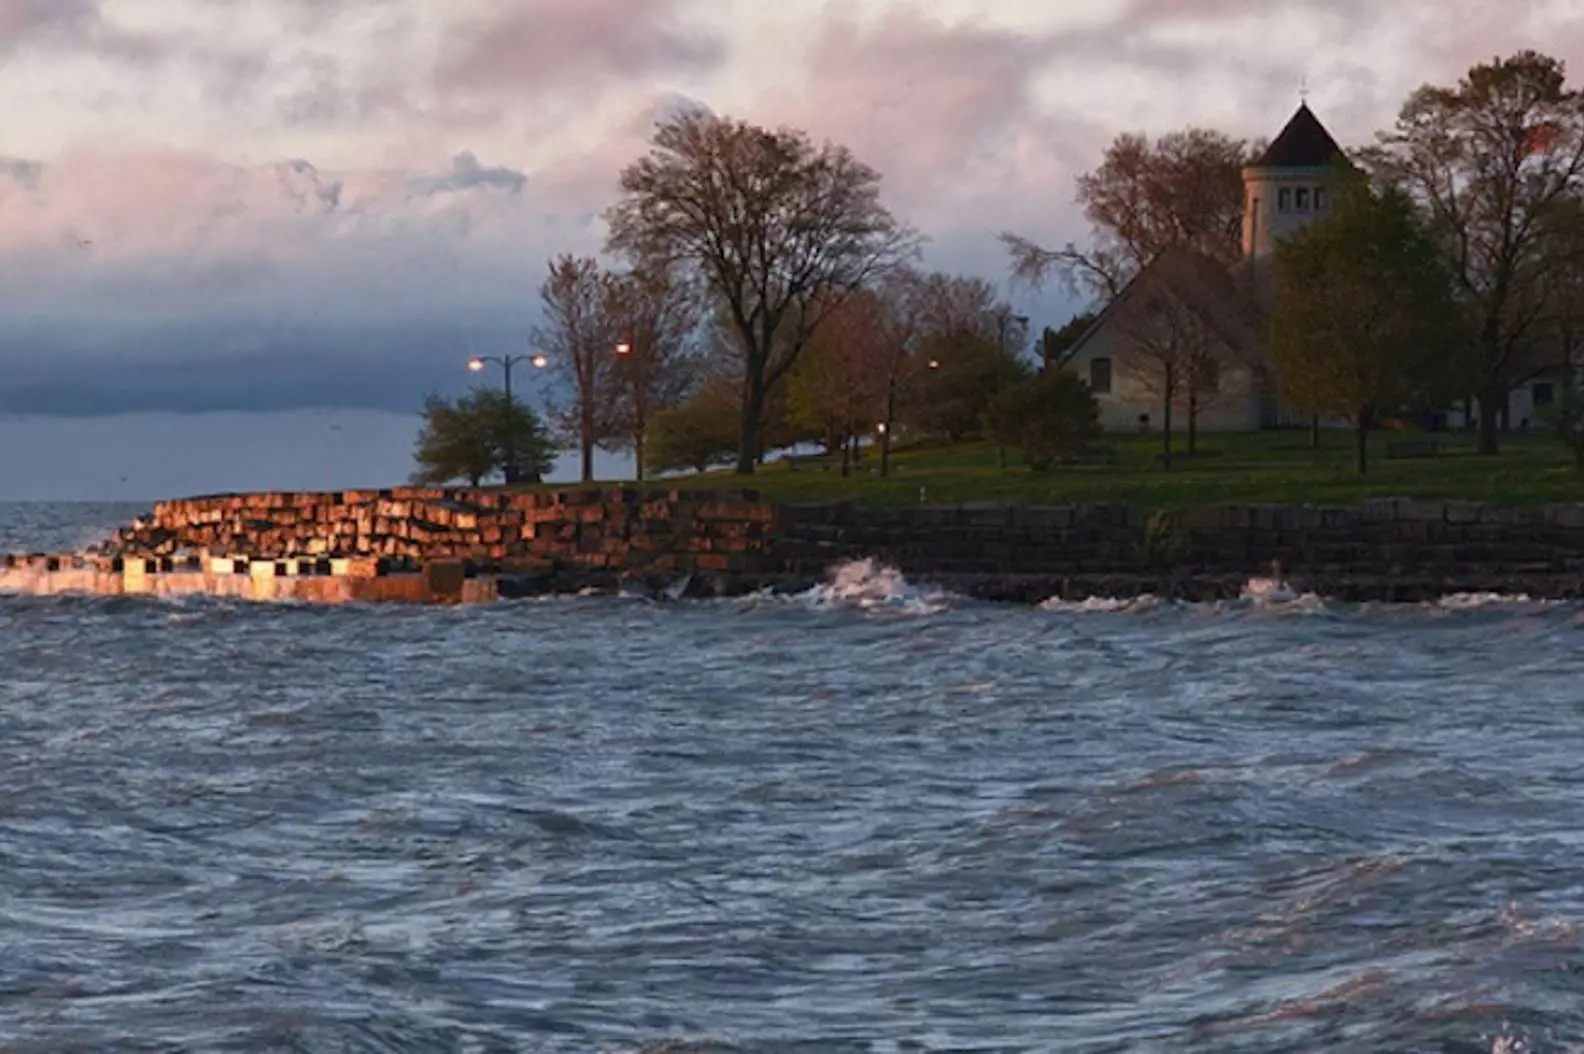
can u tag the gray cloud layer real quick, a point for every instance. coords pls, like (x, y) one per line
(156, 277)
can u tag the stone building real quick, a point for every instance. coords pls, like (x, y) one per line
(1203, 317)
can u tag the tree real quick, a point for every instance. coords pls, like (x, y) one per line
(1174, 355)
(1056, 345)
(1566, 418)
(579, 338)
(1493, 161)
(1049, 417)
(696, 434)
(1183, 190)
(838, 387)
(962, 373)
(1365, 309)
(655, 364)
(470, 439)
(779, 229)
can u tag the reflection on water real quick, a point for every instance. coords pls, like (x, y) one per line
(870, 818)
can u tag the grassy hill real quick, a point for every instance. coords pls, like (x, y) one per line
(1244, 468)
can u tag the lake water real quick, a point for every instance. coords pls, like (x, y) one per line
(872, 818)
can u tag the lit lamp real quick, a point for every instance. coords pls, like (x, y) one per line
(623, 348)
(506, 362)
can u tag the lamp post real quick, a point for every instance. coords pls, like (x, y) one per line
(506, 362)
(1006, 323)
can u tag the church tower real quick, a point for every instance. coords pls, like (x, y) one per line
(1289, 185)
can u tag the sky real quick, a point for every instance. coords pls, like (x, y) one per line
(241, 239)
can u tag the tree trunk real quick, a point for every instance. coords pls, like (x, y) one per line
(638, 452)
(588, 460)
(748, 452)
(1166, 420)
(846, 460)
(1491, 393)
(885, 436)
(1314, 432)
(1361, 429)
(1193, 420)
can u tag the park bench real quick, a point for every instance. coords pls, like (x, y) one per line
(1397, 449)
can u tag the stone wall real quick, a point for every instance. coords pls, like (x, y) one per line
(1387, 536)
(394, 542)
(641, 532)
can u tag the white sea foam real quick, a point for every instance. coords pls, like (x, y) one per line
(1492, 601)
(1104, 605)
(868, 585)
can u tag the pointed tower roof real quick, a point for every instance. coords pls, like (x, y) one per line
(1304, 143)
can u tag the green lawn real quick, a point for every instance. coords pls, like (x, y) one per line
(1244, 468)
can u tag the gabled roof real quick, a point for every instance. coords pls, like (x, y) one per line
(1304, 143)
(1202, 285)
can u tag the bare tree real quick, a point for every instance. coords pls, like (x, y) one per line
(656, 363)
(579, 337)
(1171, 350)
(779, 229)
(1494, 160)
(1183, 190)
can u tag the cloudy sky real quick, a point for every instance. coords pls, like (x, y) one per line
(240, 239)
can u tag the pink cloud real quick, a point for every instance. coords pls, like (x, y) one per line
(556, 48)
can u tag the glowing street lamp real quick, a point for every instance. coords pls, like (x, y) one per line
(506, 362)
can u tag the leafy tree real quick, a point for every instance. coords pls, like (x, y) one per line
(657, 362)
(838, 387)
(1056, 345)
(1494, 161)
(470, 439)
(579, 338)
(1050, 416)
(1566, 418)
(1365, 310)
(701, 432)
(1183, 190)
(962, 373)
(778, 229)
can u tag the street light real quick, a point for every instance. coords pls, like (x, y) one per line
(506, 362)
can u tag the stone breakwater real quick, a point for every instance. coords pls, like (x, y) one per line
(445, 545)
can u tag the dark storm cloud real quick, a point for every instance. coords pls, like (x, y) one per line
(198, 366)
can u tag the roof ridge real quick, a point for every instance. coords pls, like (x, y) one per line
(1304, 142)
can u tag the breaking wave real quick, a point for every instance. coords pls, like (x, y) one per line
(870, 585)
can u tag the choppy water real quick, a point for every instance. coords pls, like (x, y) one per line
(870, 819)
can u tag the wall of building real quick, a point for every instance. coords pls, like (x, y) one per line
(1265, 223)
(1236, 407)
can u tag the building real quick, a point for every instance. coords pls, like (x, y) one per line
(1193, 323)
(1205, 316)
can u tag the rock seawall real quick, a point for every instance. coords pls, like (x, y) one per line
(410, 543)
(1390, 549)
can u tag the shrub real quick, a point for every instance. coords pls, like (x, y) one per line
(1049, 417)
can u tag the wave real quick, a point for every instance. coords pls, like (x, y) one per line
(869, 585)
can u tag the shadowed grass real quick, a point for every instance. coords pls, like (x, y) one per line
(1242, 468)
